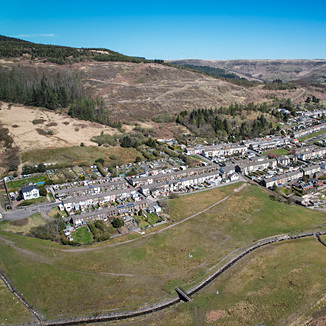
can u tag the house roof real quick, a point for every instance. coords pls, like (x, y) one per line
(26, 189)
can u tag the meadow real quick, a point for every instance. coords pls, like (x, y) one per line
(63, 281)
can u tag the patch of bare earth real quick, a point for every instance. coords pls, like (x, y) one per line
(34, 128)
(215, 315)
(319, 318)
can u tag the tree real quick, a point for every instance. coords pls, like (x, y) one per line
(117, 223)
(275, 188)
(41, 167)
(43, 191)
(126, 141)
(100, 160)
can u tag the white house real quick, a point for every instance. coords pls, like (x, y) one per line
(30, 192)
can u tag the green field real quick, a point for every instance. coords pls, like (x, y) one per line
(12, 311)
(268, 286)
(17, 184)
(279, 151)
(145, 271)
(71, 156)
(23, 226)
(320, 132)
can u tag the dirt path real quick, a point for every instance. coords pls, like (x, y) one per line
(303, 91)
(159, 231)
(45, 260)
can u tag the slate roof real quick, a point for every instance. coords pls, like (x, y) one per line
(26, 189)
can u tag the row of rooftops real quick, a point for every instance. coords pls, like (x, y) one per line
(100, 196)
(241, 147)
(172, 176)
(120, 184)
(310, 130)
(109, 211)
(291, 176)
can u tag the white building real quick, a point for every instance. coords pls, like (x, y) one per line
(30, 192)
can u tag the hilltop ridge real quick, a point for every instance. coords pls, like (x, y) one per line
(267, 70)
(16, 48)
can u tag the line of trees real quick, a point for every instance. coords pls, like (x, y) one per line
(13, 48)
(53, 92)
(209, 122)
(85, 108)
(35, 89)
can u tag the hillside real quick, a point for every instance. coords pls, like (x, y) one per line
(267, 70)
(19, 49)
(145, 90)
(138, 89)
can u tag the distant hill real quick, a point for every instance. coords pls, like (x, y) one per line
(267, 70)
(15, 48)
(133, 88)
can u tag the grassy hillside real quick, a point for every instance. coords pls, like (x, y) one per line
(119, 277)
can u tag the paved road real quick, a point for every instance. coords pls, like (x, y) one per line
(19, 214)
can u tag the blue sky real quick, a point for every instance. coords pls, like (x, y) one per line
(216, 30)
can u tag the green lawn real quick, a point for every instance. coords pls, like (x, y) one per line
(198, 158)
(33, 201)
(152, 218)
(279, 151)
(12, 311)
(143, 224)
(82, 236)
(16, 185)
(145, 271)
(320, 132)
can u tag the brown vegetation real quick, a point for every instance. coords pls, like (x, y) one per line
(268, 70)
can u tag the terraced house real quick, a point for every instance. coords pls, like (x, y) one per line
(282, 179)
(161, 177)
(90, 189)
(311, 152)
(108, 212)
(248, 166)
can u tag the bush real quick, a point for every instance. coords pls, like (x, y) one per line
(173, 195)
(43, 191)
(101, 169)
(117, 223)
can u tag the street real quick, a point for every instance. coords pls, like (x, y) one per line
(21, 213)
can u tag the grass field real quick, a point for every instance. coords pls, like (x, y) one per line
(147, 270)
(79, 155)
(82, 236)
(17, 184)
(152, 218)
(12, 311)
(279, 151)
(320, 132)
(275, 285)
(23, 226)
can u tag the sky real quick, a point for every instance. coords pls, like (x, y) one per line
(174, 30)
